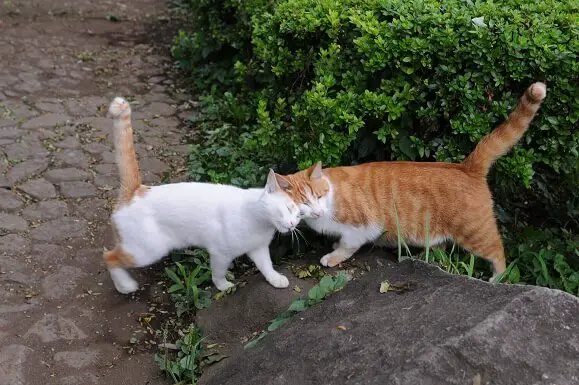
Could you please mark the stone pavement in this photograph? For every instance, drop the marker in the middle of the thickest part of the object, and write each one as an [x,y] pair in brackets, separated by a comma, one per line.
[61,63]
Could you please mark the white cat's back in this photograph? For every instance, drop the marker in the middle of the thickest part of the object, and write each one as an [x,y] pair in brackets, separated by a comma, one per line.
[178,215]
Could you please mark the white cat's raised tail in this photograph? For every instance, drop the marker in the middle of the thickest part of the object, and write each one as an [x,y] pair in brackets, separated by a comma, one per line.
[150,221]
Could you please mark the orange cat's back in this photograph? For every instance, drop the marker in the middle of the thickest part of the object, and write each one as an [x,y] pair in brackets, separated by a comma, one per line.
[409,193]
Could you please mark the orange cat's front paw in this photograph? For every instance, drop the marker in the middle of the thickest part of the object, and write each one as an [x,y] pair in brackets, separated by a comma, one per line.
[331,259]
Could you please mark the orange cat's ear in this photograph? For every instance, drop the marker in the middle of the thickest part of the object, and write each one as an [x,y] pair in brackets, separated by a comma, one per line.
[282,182]
[315,172]
[271,185]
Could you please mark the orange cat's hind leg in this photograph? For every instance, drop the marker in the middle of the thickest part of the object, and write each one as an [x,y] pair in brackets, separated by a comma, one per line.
[116,259]
[487,243]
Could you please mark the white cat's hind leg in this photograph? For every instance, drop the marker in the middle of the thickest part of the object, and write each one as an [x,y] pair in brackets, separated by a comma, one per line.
[262,260]
[123,281]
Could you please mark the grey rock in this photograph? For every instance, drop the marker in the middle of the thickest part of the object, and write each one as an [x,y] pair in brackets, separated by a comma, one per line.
[67,175]
[9,201]
[11,222]
[59,230]
[46,210]
[155,109]
[47,120]
[77,189]
[444,330]
[39,189]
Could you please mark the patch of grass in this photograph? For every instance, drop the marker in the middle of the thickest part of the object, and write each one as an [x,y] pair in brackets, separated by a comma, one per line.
[181,361]
[189,279]
[327,285]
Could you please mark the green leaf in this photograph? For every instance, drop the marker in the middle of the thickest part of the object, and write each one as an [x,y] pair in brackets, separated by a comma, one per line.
[298,305]
[326,284]
[172,275]
[175,287]
[340,280]
[254,342]
[316,293]
[276,323]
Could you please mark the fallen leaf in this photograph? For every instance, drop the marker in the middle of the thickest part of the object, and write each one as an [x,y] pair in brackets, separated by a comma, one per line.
[384,287]
[341,327]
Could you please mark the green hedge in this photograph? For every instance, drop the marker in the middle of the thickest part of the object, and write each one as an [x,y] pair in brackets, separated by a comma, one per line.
[290,82]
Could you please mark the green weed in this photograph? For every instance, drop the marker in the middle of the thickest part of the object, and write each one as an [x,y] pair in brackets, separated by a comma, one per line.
[327,285]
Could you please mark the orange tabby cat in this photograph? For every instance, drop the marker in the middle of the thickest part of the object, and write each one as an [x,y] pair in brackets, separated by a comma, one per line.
[451,201]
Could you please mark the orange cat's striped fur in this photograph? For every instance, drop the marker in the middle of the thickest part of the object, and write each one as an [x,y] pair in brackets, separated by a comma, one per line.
[363,203]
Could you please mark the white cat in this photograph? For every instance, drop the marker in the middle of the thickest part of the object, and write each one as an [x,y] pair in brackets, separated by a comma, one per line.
[228,221]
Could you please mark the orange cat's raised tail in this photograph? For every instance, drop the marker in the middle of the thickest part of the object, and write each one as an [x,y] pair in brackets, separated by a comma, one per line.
[505,136]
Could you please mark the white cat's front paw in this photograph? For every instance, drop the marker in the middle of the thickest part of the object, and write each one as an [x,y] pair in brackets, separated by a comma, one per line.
[278,281]
[223,285]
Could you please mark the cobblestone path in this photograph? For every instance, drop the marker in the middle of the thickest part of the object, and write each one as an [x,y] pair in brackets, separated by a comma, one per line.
[61,63]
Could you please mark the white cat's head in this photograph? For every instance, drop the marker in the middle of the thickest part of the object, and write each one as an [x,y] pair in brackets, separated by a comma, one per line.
[282,211]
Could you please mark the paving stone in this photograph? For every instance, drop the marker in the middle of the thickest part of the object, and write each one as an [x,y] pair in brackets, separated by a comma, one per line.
[92,208]
[63,282]
[154,110]
[46,210]
[60,229]
[39,189]
[78,359]
[9,201]
[7,123]
[4,182]
[11,222]
[54,107]
[47,120]
[14,243]
[69,143]
[106,169]
[153,165]
[95,148]
[108,157]
[25,150]
[10,133]
[87,106]
[47,254]
[54,327]
[26,169]
[74,158]
[166,122]
[77,189]
[67,175]
[12,361]
[84,379]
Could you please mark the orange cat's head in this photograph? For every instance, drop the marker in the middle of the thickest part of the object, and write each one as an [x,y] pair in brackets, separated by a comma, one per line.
[309,190]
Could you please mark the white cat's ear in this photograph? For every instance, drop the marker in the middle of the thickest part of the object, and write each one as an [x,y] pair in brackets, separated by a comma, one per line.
[282,182]
[316,171]
[271,185]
